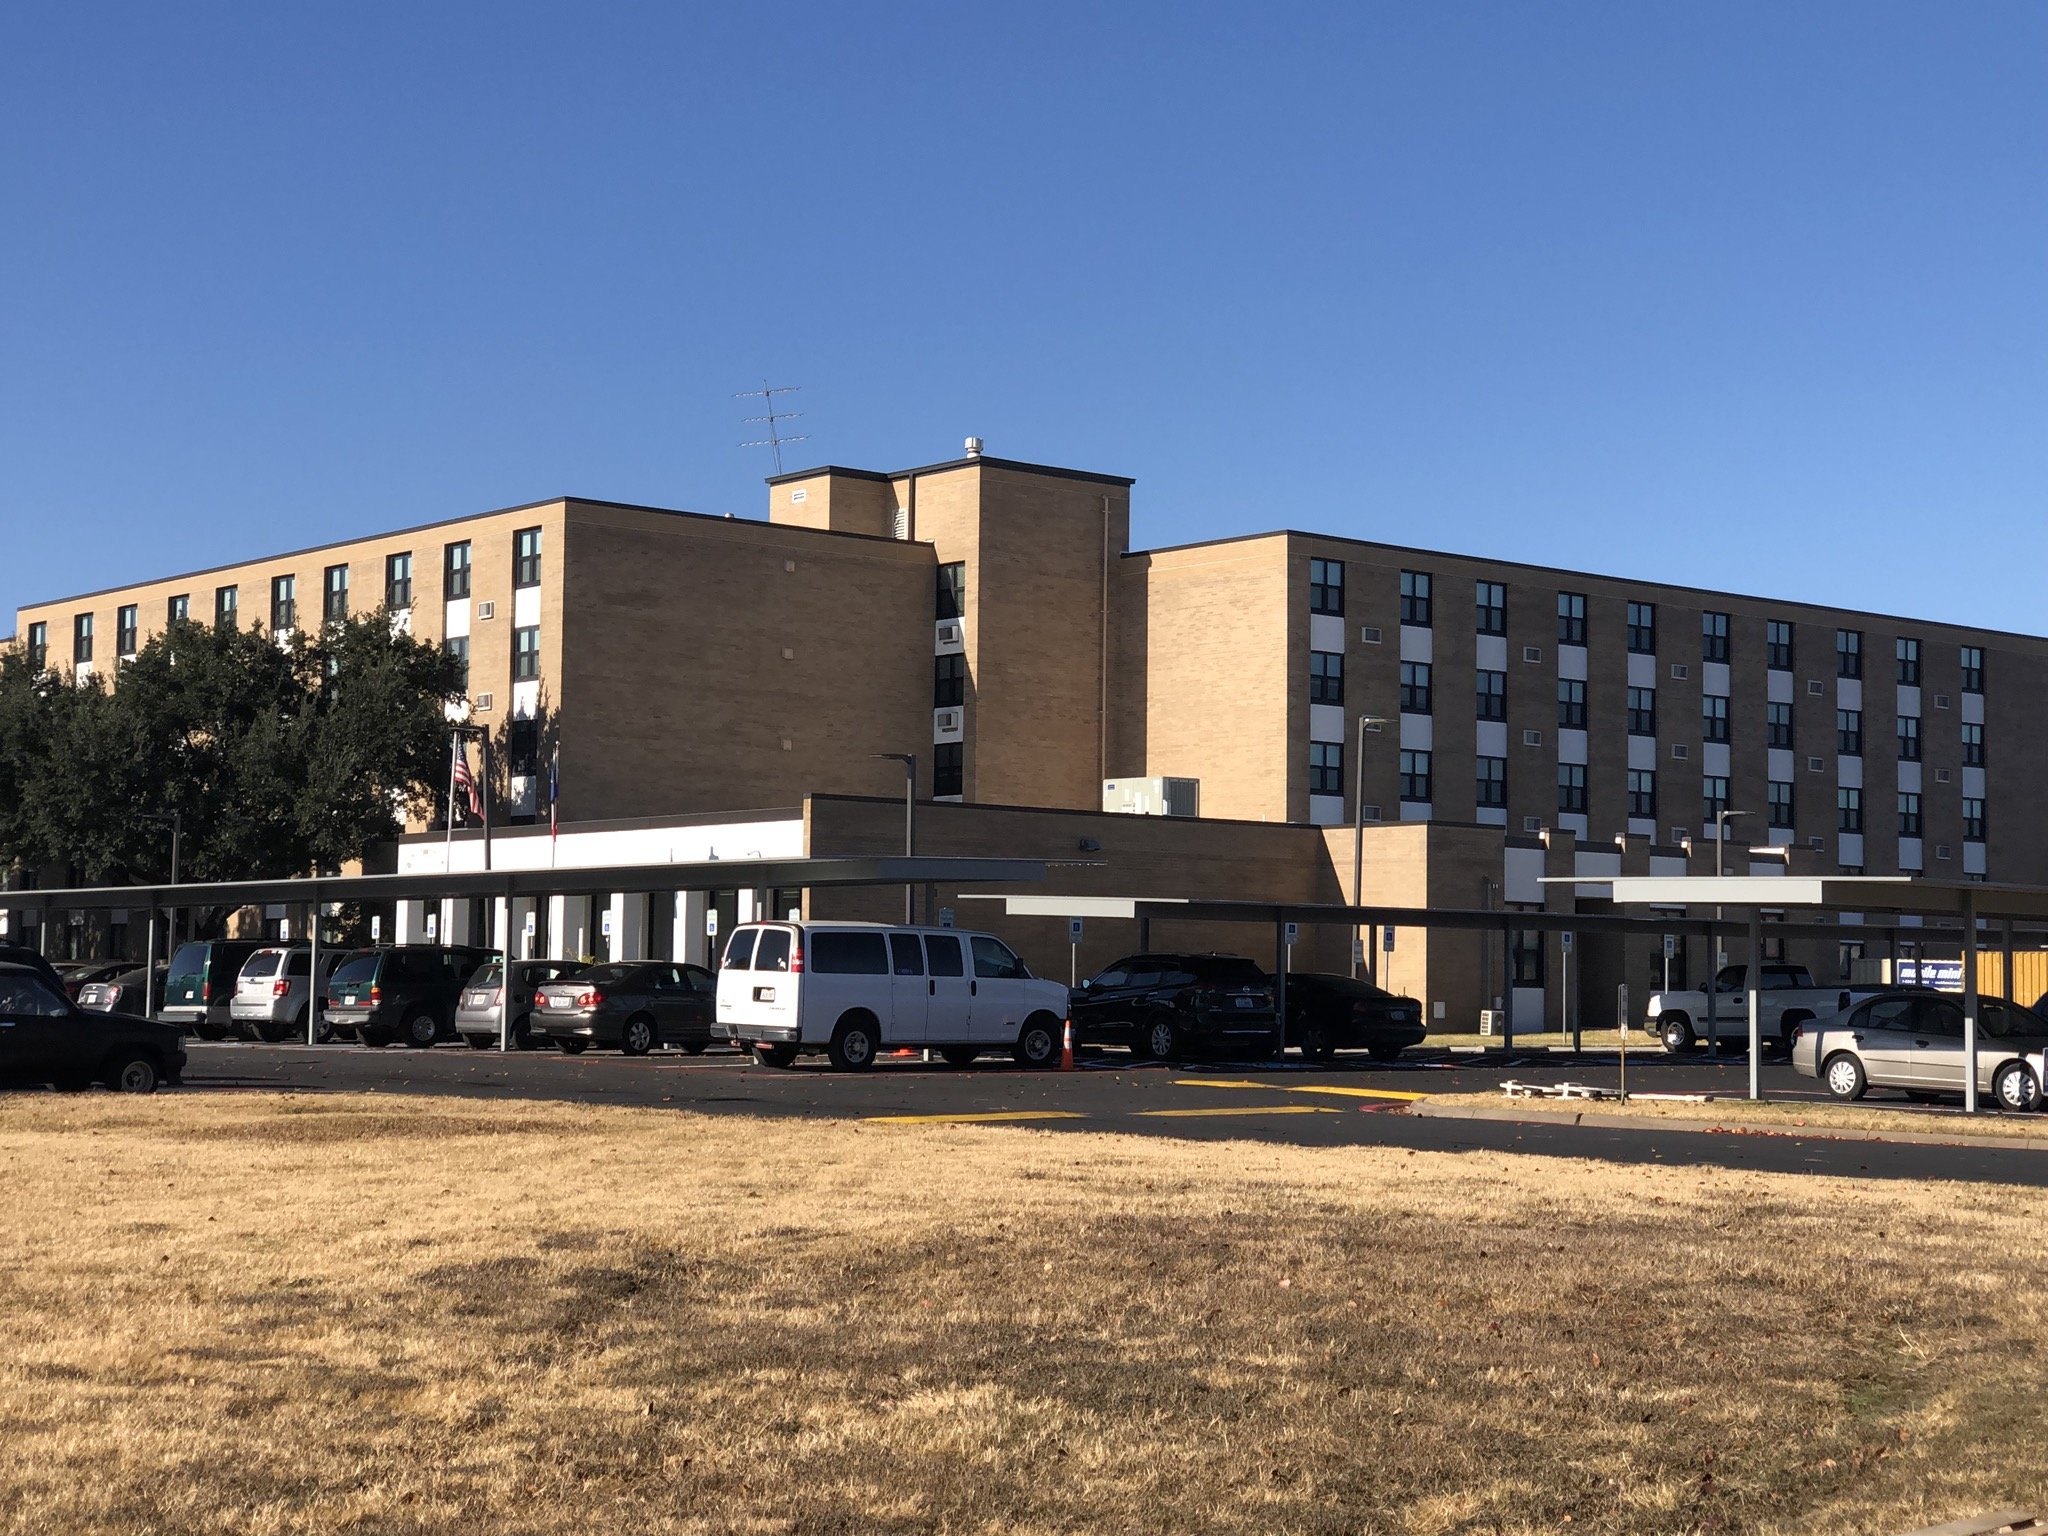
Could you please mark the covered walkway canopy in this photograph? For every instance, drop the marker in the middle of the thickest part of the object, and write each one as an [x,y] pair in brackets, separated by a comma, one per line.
[1969,904]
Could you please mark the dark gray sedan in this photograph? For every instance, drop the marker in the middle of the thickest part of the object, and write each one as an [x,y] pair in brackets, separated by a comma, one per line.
[476,1010]
[634,1005]
[1914,1041]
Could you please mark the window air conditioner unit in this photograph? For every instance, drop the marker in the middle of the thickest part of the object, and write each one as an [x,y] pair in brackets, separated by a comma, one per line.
[1816,765]
[1532,653]
[1816,842]
[1680,671]
[1941,701]
[481,704]
[1369,634]
[1680,751]
[1370,813]
[1532,823]
[1941,775]
[1815,687]
[1532,738]
[946,720]
[949,632]
[486,610]
[1941,850]
[1152,796]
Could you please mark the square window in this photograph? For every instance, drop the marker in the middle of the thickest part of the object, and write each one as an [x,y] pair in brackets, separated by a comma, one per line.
[1326,586]
[1416,605]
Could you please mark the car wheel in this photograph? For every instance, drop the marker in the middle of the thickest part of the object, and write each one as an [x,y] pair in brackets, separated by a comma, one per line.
[421,1029]
[522,1034]
[273,1034]
[570,1046]
[1386,1052]
[1316,1044]
[1676,1031]
[479,1042]
[132,1072]
[1159,1040]
[2016,1089]
[853,1044]
[636,1037]
[775,1055]
[1843,1075]
[1038,1042]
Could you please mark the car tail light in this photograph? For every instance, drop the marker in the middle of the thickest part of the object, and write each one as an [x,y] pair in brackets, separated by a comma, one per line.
[796,956]
[206,991]
[498,997]
[279,988]
[376,995]
[540,999]
[589,999]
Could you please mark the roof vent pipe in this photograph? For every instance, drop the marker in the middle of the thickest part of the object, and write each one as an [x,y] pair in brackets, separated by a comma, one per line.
[974,447]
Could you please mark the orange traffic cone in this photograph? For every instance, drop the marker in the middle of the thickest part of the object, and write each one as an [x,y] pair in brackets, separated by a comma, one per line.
[1067,1048]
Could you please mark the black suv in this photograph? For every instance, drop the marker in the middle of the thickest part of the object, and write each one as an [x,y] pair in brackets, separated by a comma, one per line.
[407,993]
[1168,1006]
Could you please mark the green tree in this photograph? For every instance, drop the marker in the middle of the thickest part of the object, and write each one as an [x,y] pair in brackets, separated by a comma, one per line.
[279,757]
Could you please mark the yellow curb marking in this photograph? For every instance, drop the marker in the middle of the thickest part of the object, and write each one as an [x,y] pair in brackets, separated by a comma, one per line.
[1266,1109]
[1349,1093]
[1020,1114]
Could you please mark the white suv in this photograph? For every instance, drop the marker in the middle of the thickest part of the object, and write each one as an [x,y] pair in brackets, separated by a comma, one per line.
[852,989]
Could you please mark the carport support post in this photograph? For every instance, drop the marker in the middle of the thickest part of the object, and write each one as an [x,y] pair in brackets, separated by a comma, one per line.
[1507,990]
[1569,1001]
[505,978]
[1284,952]
[1713,967]
[149,962]
[1969,1003]
[312,969]
[1756,1012]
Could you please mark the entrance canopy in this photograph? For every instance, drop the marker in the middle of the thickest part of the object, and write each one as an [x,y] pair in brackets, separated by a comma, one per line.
[1903,894]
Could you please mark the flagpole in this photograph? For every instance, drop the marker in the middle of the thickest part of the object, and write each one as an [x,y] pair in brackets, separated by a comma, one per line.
[554,797]
[448,853]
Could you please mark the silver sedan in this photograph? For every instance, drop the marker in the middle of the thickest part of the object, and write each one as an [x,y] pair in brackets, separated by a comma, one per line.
[1914,1041]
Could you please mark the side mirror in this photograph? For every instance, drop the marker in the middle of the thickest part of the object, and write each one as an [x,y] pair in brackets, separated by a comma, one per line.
[1086,984]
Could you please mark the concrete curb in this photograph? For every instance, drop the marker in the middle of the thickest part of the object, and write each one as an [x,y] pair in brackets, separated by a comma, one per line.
[1595,1120]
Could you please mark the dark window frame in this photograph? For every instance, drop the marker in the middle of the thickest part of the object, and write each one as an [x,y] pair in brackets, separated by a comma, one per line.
[1848,809]
[38,646]
[1490,607]
[1973,820]
[1713,799]
[1906,653]
[1973,745]
[1642,792]
[457,570]
[398,580]
[1779,802]
[949,599]
[1326,677]
[526,653]
[1571,788]
[1490,701]
[1848,653]
[1571,618]
[1849,732]
[1714,717]
[127,629]
[1908,738]
[1418,688]
[334,594]
[1971,665]
[1418,776]
[1910,818]
[1778,644]
[949,680]
[1642,711]
[1490,788]
[81,638]
[949,768]
[1571,704]
[284,603]
[1642,628]
[227,605]
[1326,767]
[1714,629]
[1325,590]
[1418,599]
[1778,724]
[526,558]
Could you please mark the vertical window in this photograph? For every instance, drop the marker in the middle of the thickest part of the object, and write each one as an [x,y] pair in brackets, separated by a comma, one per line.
[81,637]
[949,769]
[1848,653]
[1909,815]
[952,590]
[1909,739]
[1415,776]
[226,606]
[334,594]
[1571,618]
[1642,711]
[1493,608]
[526,653]
[179,609]
[1713,717]
[1642,792]
[1849,732]
[1416,606]
[38,647]
[1325,677]
[284,603]
[458,647]
[1778,645]
[1973,669]
[1527,957]
[455,571]
[127,629]
[1779,795]
[1713,637]
[1973,819]
[1493,695]
[1642,628]
[1326,586]
[1571,704]
[1326,768]
[1571,786]
[398,581]
[1848,810]
[1778,725]
[1973,746]
[949,681]
[1713,795]
[1908,653]
[526,558]
[1493,781]
[1415,688]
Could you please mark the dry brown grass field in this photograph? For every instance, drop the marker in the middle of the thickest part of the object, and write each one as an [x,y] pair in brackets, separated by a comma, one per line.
[1945,1120]
[370,1315]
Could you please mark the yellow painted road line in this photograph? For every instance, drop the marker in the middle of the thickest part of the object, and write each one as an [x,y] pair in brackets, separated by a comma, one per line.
[1264,1109]
[1018,1114]
[1349,1093]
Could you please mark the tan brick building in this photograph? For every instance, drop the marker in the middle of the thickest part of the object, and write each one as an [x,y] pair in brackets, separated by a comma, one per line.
[989,616]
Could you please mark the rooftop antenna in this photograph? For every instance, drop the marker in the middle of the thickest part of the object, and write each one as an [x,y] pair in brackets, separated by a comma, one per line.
[774,440]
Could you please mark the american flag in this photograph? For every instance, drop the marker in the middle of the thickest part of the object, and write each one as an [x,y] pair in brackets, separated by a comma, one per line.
[465,785]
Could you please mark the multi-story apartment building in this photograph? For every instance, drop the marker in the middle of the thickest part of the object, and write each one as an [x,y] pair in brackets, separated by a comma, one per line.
[1507,721]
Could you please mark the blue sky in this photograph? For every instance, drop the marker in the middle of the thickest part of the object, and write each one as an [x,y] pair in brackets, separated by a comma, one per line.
[1741,295]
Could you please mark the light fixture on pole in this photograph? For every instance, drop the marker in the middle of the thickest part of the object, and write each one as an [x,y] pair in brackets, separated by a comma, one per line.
[1358,829]
[909,762]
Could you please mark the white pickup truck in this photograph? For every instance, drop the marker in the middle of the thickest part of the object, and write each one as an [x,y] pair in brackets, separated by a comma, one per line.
[1786,998]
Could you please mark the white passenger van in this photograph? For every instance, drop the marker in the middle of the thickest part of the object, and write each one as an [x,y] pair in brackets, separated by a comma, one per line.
[853,989]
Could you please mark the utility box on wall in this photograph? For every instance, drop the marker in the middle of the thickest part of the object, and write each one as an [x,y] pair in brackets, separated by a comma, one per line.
[1153,797]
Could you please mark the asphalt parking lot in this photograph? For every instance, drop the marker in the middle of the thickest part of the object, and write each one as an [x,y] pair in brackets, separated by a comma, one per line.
[1361,1103]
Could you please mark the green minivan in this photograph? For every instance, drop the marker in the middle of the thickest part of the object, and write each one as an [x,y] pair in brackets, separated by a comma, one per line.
[200,988]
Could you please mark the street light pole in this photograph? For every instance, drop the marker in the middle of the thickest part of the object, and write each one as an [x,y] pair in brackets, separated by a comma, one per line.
[1358,831]
[909,762]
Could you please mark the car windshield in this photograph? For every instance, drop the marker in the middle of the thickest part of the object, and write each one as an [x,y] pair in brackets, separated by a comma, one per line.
[604,975]
[487,975]
[24,993]
[189,963]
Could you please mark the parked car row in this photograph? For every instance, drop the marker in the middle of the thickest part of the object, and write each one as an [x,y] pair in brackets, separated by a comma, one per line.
[45,1037]
[1911,1038]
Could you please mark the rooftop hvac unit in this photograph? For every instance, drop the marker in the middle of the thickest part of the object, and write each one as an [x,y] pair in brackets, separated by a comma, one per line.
[1153,797]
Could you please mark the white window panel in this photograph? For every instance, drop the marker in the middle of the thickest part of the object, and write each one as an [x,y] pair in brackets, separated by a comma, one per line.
[1714,759]
[1848,693]
[1491,815]
[1326,632]
[455,619]
[1523,875]
[1415,810]
[1642,826]
[1642,752]
[1849,775]
[1667,864]
[1849,849]
[1490,739]
[1973,858]
[1910,855]
[1490,653]
[1973,709]
[1909,778]
[1418,733]
[1973,783]
[526,699]
[1909,700]
[1779,837]
[1571,746]
[1326,810]
[949,637]
[1417,643]
[1778,687]
[949,724]
[1714,677]
[1326,722]
[1642,670]
[1571,662]
[1780,764]
[1573,822]
[526,607]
